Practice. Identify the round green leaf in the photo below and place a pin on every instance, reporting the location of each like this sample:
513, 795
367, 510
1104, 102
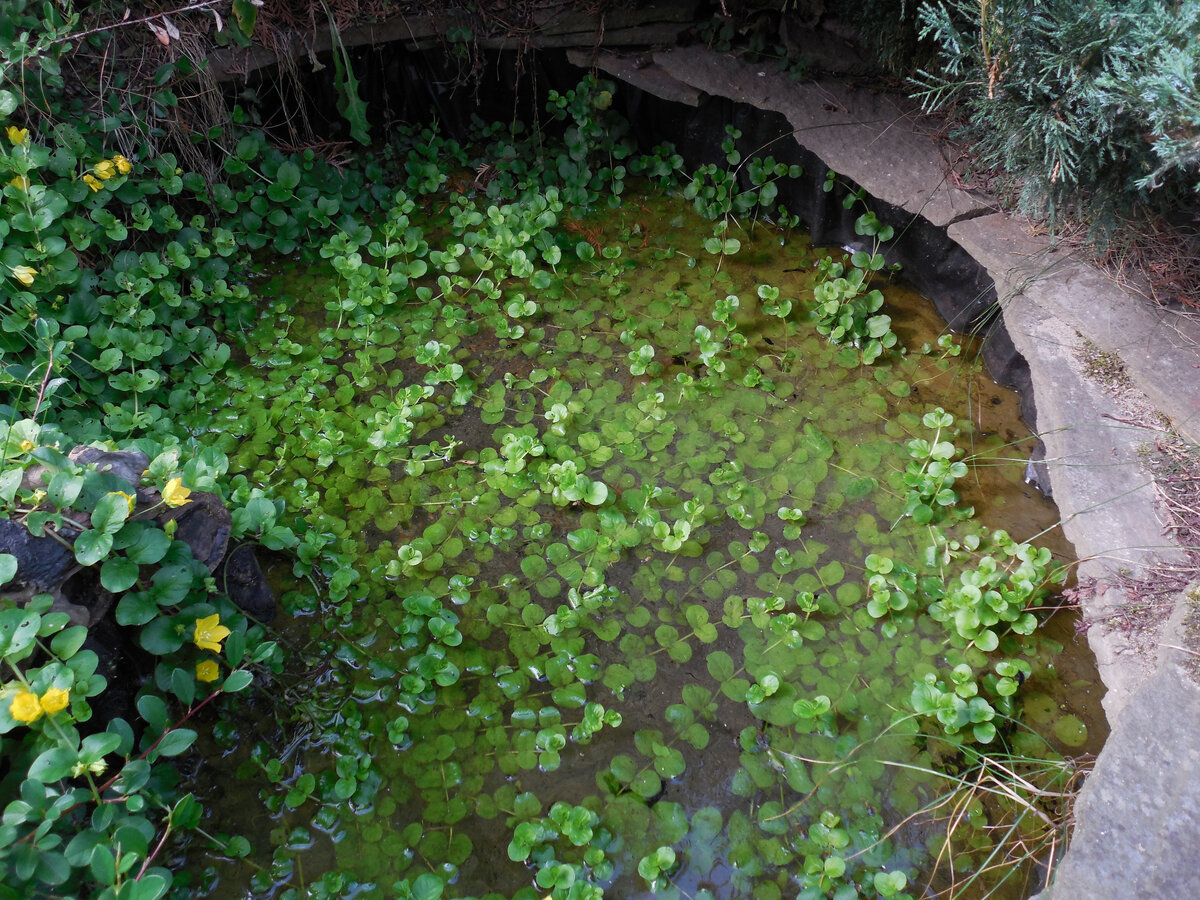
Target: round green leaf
8, 567
92, 546
119, 574
236, 681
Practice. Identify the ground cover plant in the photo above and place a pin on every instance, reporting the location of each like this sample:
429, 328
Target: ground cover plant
120, 274
565, 490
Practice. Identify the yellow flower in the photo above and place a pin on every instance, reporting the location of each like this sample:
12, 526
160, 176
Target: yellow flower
123, 165
210, 632
25, 707
207, 671
27, 445
129, 498
23, 274
90, 181
17, 135
55, 699
104, 169
175, 494
21, 183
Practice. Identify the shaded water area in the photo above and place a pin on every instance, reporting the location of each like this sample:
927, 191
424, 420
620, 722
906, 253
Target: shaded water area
615, 506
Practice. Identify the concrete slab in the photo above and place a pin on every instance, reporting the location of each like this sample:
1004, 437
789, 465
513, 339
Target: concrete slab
1104, 493
638, 70
867, 136
1138, 815
1160, 348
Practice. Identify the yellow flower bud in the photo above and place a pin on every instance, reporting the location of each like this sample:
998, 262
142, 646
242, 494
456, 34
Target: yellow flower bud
175, 494
207, 671
21, 183
129, 498
17, 136
90, 181
27, 445
25, 707
104, 169
24, 274
55, 700
123, 165
97, 767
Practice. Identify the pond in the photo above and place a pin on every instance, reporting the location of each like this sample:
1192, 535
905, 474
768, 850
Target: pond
656, 590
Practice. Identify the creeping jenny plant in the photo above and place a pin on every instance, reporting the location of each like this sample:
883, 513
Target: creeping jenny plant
94, 802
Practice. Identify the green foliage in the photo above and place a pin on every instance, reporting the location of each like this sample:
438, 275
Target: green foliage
996, 593
718, 194
930, 476
756, 35
512, 539
847, 307
120, 270
587, 165
981, 604
656, 867
96, 809
1088, 105
583, 865
352, 107
554, 537
138, 338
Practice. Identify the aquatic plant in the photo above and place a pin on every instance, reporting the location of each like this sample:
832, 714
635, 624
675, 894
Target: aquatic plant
485, 413
847, 308
587, 538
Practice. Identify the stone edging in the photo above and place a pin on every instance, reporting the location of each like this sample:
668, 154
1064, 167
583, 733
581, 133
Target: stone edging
1138, 815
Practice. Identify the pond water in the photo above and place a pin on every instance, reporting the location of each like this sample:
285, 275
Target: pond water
613, 504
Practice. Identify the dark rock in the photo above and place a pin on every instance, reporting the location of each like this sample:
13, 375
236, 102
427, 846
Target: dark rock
204, 525
42, 562
242, 578
124, 665
128, 465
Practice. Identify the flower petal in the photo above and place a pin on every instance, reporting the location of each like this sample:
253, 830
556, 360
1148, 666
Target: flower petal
210, 632
25, 707
55, 699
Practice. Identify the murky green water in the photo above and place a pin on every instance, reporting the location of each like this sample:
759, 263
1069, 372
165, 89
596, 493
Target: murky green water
629, 581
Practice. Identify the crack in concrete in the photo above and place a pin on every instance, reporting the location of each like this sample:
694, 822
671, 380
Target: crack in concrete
971, 214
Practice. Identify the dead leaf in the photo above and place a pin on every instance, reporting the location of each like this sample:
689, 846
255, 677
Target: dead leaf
163, 37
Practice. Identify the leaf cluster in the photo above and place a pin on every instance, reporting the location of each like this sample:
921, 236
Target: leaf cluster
91, 805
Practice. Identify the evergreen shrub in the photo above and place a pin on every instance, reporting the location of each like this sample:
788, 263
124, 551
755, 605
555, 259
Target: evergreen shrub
1089, 106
